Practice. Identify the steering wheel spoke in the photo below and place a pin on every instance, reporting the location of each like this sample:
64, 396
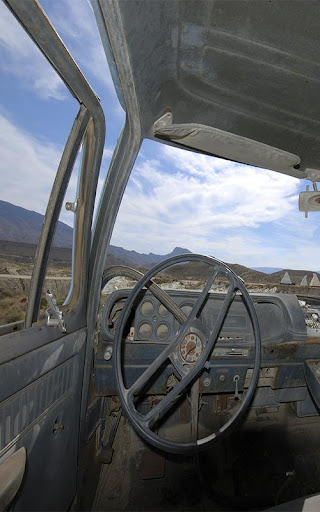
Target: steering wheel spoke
221, 316
167, 353
157, 412
149, 372
203, 295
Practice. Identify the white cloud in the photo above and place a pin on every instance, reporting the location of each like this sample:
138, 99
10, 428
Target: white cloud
20, 56
235, 212
75, 22
27, 167
202, 198
107, 154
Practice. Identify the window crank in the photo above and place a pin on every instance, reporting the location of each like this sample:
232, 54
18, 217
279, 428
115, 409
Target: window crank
236, 391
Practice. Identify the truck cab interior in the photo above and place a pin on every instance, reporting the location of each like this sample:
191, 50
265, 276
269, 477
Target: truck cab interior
157, 399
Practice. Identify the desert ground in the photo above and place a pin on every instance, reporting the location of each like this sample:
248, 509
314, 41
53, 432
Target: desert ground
15, 279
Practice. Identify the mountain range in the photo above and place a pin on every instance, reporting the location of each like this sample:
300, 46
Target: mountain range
268, 270
18, 224
135, 259
20, 229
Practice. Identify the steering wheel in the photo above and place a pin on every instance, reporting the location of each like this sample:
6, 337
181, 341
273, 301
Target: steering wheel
187, 363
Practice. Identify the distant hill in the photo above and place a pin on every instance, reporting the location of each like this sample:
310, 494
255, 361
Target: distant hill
21, 225
20, 229
267, 270
24, 252
61, 257
135, 259
201, 271
295, 275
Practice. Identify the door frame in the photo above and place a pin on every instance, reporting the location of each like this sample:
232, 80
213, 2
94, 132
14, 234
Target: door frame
57, 347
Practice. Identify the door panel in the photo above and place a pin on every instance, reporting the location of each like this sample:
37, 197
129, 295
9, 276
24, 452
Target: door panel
40, 410
42, 379
37, 360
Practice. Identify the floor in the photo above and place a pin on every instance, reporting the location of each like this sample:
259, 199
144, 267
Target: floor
253, 469
140, 479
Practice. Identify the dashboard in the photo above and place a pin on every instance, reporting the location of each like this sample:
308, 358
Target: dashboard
290, 336
281, 318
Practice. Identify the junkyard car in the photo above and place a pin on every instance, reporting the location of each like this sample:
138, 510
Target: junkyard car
162, 400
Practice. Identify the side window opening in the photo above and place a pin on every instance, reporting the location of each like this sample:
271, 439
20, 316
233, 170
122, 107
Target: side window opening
59, 270
30, 113
38, 138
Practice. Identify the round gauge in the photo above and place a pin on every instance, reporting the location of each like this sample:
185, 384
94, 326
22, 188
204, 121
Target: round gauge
145, 330
147, 308
163, 310
162, 331
187, 308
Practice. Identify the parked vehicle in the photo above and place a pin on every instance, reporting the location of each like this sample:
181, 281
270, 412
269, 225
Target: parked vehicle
170, 399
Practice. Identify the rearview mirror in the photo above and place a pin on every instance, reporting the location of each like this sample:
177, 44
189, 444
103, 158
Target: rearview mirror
309, 201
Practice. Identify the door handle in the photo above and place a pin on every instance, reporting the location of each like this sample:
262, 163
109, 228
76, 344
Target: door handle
11, 474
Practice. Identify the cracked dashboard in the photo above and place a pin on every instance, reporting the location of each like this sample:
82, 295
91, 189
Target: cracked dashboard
287, 344
281, 319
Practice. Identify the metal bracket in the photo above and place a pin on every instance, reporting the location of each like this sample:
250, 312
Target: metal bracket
72, 207
312, 174
53, 313
165, 120
309, 201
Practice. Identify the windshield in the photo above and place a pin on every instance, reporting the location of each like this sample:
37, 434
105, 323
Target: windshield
175, 199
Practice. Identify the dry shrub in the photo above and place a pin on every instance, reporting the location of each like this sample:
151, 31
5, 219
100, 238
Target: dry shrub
12, 309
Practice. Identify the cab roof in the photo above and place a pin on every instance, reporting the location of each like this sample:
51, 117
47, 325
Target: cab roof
232, 78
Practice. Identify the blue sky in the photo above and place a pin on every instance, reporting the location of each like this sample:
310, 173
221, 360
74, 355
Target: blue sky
174, 198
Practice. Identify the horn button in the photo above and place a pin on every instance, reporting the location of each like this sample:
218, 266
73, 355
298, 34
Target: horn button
191, 348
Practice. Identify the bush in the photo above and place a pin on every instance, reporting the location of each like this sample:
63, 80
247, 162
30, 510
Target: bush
14, 316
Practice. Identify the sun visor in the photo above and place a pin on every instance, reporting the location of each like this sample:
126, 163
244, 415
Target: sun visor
228, 145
